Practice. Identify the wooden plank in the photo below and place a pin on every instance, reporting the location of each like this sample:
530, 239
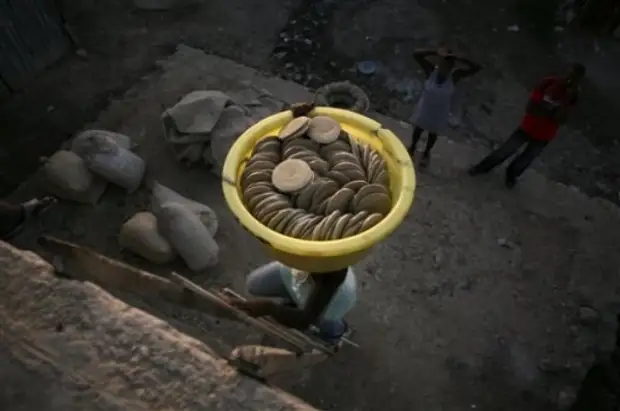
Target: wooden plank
84, 264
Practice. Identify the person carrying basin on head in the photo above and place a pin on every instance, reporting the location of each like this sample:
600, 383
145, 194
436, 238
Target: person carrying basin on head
547, 109
433, 109
297, 299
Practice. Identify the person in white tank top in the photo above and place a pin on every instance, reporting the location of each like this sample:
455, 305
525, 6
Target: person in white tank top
433, 108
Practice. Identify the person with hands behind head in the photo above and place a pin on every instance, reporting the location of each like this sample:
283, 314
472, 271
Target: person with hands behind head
546, 110
305, 299
433, 108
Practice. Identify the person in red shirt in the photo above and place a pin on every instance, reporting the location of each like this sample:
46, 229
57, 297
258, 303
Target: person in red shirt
546, 110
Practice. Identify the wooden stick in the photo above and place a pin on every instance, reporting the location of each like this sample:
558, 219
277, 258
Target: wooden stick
180, 280
301, 334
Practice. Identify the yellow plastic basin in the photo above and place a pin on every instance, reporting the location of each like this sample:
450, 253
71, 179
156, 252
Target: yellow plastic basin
323, 256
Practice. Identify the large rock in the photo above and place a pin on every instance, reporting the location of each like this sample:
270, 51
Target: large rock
70, 345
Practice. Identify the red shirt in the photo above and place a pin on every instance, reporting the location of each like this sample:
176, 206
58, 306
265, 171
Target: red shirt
555, 93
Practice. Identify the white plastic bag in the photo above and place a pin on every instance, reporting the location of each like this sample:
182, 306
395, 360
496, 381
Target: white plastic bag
67, 177
188, 236
91, 142
120, 166
140, 236
162, 195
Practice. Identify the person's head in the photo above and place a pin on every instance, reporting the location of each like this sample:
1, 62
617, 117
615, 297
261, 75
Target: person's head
576, 73
446, 62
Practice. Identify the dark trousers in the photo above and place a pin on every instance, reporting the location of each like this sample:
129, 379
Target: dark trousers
520, 163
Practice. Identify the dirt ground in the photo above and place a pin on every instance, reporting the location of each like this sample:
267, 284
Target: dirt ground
475, 301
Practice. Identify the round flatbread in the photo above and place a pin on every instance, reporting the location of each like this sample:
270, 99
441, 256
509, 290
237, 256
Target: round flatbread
375, 203
358, 217
300, 142
340, 200
323, 129
317, 230
258, 165
291, 175
304, 199
319, 166
306, 233
339, 226
270, 208
278, 217
255, 177
351, 229
295, 128
371, 221
351, 170
296, 228
255, 189
382, 178
355, 185
330, 224
326, 188
338, 177
267, 144
252, 202
340, 156
326, 150
286, 220
272, 156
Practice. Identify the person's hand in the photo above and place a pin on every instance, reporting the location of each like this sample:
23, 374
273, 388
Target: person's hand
443, 51
251, 308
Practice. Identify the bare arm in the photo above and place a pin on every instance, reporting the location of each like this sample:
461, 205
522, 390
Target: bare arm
470, 69
421, 56
326, 286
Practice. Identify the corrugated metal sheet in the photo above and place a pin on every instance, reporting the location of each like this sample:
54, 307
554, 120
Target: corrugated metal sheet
31, 38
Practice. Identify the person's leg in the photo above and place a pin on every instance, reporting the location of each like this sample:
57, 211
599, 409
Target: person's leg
333, 326
266, 281
499, 155
415, 137
430, 143
523, 161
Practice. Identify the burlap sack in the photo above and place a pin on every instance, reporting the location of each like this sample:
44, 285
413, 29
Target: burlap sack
161, 195
188, 236
140, 236
67, 176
